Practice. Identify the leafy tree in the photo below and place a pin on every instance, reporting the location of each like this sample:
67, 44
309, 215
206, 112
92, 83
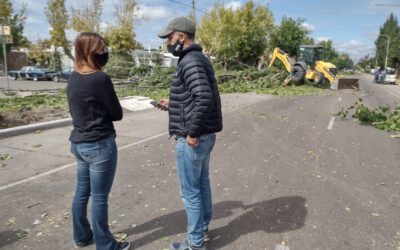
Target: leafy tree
57, 17
366, 63
236, 35
121, 37
329, 51
289, 36
390, 28
39, 52
5, 11
86, 17
16, 22
343, 61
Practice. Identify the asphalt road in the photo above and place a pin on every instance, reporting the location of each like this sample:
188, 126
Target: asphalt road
20, 84
283, 170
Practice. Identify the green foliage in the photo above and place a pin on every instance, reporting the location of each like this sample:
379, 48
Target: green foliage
33, 102
262, 82
330, 52
55, 63
236, 34
57, 17
120, 65
16, 21
86, 17
382, 117
38, 55
121, 37
289, 36
389, 29
343, 62
160, 78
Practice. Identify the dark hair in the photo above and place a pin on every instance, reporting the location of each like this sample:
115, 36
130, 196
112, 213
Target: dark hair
87, 44
189, 35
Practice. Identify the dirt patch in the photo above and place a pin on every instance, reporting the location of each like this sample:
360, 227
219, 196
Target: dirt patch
28, 116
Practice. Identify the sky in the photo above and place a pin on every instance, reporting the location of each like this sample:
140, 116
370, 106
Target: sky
352, 25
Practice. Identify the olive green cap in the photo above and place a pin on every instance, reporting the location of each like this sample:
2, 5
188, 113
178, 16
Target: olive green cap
181, 24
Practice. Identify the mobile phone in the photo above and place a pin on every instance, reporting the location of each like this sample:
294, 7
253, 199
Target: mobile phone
158, 105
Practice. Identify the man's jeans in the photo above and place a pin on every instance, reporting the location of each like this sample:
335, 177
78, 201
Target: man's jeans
96, 164
193, 171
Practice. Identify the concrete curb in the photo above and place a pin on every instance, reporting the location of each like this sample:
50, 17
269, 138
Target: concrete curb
8, 132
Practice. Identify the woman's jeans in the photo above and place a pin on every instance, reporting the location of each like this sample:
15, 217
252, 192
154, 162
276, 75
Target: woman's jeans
96, 164
193, 170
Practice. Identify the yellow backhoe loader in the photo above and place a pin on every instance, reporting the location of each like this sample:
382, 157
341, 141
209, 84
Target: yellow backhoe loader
310, 65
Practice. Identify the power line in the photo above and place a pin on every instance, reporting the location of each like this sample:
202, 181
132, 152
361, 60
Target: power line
190, 6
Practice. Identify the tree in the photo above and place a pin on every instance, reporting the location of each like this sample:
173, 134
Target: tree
329, 51
390, 28
39, 52
57, 17
343, 61
16, 22
289, 35
86, 17
5, 11
121, 37
236, 35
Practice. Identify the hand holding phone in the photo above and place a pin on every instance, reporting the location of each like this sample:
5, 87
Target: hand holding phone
159, 105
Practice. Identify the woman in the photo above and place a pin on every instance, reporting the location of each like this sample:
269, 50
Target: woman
94, 106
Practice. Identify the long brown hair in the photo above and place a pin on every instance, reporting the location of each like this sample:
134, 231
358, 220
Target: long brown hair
87, 44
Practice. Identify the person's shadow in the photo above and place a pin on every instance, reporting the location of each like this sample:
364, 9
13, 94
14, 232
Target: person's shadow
10, 236
271, 216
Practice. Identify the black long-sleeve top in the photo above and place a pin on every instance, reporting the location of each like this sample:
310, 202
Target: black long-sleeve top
93, 105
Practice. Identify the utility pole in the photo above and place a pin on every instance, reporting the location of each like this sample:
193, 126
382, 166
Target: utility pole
6, 38
194, 11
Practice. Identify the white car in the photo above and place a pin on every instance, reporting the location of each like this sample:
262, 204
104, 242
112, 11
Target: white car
390, 76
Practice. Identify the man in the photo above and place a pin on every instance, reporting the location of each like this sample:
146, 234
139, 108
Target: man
194, 108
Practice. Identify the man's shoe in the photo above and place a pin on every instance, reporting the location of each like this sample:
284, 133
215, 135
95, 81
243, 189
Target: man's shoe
123, 246
206, 236
83, 244
185, 246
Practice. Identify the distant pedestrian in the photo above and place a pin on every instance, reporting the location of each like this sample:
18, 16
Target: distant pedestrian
194, 108
94, 106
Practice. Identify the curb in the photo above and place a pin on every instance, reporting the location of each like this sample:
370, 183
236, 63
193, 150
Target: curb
9, 132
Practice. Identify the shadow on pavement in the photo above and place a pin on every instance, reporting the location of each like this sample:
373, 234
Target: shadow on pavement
271, 216
10, 236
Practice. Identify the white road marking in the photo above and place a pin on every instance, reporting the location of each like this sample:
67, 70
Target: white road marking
340, 99
73, 164
331, 122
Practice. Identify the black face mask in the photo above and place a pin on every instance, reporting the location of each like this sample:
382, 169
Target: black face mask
176, 48
102, 59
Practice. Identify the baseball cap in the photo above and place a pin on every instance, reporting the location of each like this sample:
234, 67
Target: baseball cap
182, 24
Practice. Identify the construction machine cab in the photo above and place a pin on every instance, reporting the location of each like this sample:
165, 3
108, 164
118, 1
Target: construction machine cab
310, 54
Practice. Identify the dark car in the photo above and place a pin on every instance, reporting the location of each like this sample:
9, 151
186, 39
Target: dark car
31, 73
62, 75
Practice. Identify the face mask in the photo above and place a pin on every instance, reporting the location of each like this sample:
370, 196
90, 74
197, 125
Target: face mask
175, 48
102, 59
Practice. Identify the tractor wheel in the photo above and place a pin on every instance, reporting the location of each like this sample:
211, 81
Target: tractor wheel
319, 79
297, 74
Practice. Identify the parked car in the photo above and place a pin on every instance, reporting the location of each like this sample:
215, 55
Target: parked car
62, 75
31, 73
390, 76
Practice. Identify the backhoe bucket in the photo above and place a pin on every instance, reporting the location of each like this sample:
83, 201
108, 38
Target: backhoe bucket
348, 83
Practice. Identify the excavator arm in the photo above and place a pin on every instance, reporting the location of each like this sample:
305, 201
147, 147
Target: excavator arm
286, 60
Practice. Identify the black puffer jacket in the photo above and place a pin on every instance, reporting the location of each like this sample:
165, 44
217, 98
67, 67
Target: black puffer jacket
194, 101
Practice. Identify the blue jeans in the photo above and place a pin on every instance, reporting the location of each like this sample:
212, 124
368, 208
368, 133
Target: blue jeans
193, 171
96, 164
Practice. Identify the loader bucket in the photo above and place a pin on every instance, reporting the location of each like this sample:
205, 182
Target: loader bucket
348, 83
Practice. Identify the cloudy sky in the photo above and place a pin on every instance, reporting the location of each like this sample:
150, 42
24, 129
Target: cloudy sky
352, 25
